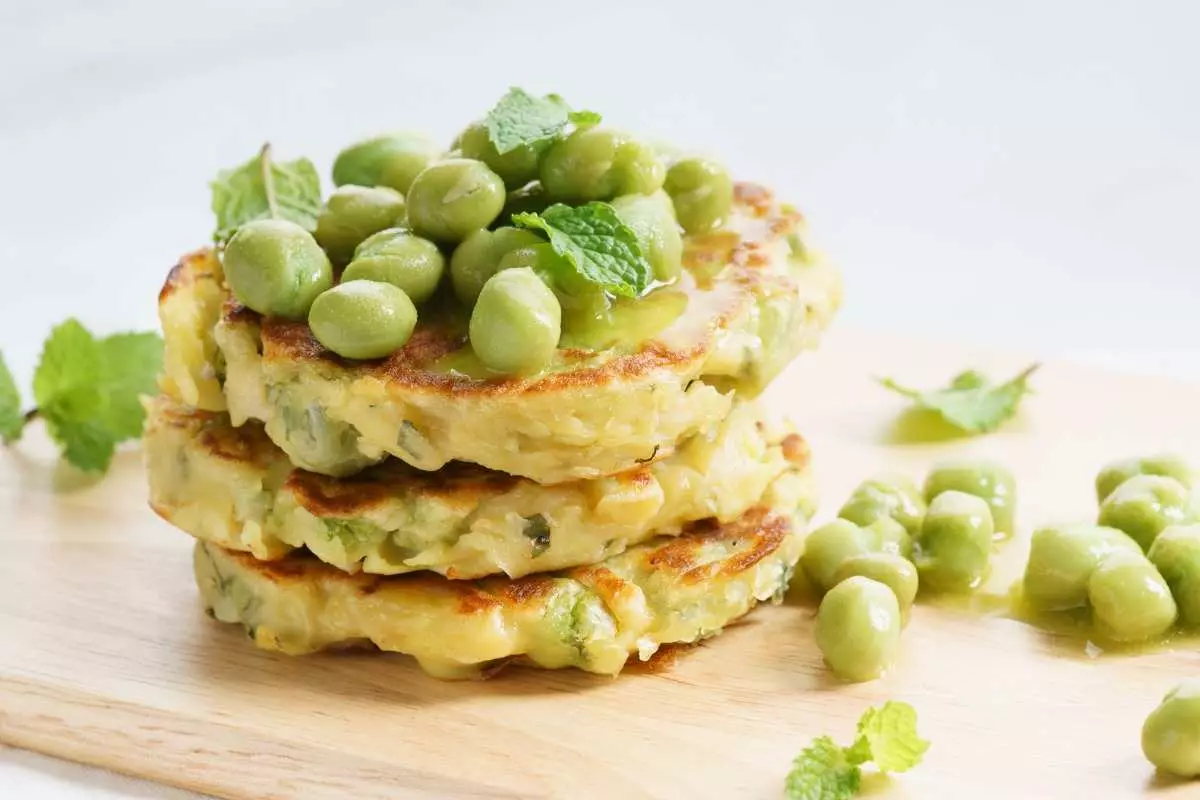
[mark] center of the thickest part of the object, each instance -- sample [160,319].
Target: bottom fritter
[669,590]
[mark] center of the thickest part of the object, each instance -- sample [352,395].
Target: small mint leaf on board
[521,119]
[971,403]
[88,390]
[595,243]
[12,421]
[822,772]
[888,735]
[263,188]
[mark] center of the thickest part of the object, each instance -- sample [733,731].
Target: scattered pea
[451,199]
[858,628]
[1171,734]
[1130,601]
[599,164]
[954,548]
[516,168]
[1164,464]
[392,160]
[888,536]
[363,319]
[885,495]
[988,480]
[895,572]
[478,258]
[516,323]
[1063,557]
[828,547]
[702,192]
[1145,504]
[652,219]
[1176,554]
[276,268]
[352,213]
[400,258]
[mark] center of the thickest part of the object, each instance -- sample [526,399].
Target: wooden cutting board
[106,657]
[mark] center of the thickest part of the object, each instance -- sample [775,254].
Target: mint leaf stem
[264,167]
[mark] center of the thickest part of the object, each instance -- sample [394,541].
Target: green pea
[352,213]
[516,322]
[897,573]
[1176,554]
[400,258]
[652,220]
[1171,734]
[858,628]
[599,164]
[363,319]
[392,160]
[478,258]
[453,198]
[885,535]
[828,547]
[1063,557]
[1130,601]
[885,495]
[955,544]
[1164,464]
[276,268]
[988,480]
[1145,504]
[516,168]
[702,192]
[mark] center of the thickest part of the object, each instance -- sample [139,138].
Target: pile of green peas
[1137,569]
[406,214]
[890,539]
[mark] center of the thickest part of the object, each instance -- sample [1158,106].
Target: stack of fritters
[631,495]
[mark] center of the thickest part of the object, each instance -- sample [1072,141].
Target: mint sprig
[594,241]
[521,119]
[12,421]
[887,736]
[263,188]
[87,391]
[971,403]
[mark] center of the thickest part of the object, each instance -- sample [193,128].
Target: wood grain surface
[107,658]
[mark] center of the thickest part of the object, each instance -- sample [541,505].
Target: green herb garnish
[971,402]
[520,119]
[600,247]
[887,736]
[88,392]
[537,530]
[265,189]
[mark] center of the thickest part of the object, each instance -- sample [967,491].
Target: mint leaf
[971,402]
[821,772]
[583,119]
[130,366]
[12,422]
[520,119]
[888,736]
[593,240]
[265,189]
[87,390]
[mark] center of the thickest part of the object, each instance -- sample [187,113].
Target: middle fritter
[233,487]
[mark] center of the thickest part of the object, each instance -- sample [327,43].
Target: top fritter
[580,330]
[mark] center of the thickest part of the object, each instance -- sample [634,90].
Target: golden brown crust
[197,265]
[748,539]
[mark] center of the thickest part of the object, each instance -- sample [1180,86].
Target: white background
[1016,173]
